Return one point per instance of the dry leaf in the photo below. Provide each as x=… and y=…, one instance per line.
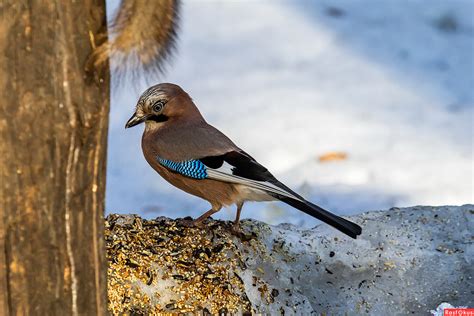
x=332, y=156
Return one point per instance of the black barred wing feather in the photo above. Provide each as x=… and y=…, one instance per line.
x=241, y=164
x=239, y=167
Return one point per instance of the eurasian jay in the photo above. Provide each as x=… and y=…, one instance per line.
x=197, y=158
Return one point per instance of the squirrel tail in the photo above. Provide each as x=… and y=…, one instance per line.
x=142, y=36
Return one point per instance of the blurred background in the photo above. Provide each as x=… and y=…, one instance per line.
x=357, y=105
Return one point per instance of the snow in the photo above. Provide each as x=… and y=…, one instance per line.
x=388, y=84
x=407, y=261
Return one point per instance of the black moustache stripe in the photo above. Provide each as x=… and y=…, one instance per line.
x=158, y=118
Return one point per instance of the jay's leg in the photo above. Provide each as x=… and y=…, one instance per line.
x=237, y=216
x=198, y=221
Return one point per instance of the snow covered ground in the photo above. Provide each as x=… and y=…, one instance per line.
x=406, y=262
x=388, y=84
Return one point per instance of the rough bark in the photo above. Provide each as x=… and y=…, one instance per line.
x=53, y=129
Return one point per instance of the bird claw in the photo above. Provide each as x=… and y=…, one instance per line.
x=239, y=233
x=236, y=227
x=188, y=222
x=197, y=223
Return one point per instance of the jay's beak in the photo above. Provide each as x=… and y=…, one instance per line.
x=135, y=120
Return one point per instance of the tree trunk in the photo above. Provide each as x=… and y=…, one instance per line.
x=53, y=129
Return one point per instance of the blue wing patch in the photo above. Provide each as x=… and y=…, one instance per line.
x=189, y=168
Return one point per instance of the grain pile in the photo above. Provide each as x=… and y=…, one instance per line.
x=194, y=267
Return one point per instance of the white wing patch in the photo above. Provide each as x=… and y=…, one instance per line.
x=225, y=168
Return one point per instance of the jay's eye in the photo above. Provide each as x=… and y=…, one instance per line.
x=158, y=105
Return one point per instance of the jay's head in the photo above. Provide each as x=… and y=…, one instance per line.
x=162, y=103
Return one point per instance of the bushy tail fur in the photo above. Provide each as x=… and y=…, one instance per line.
x=141, y=37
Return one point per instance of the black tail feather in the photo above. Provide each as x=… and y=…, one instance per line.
x=349, y=228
